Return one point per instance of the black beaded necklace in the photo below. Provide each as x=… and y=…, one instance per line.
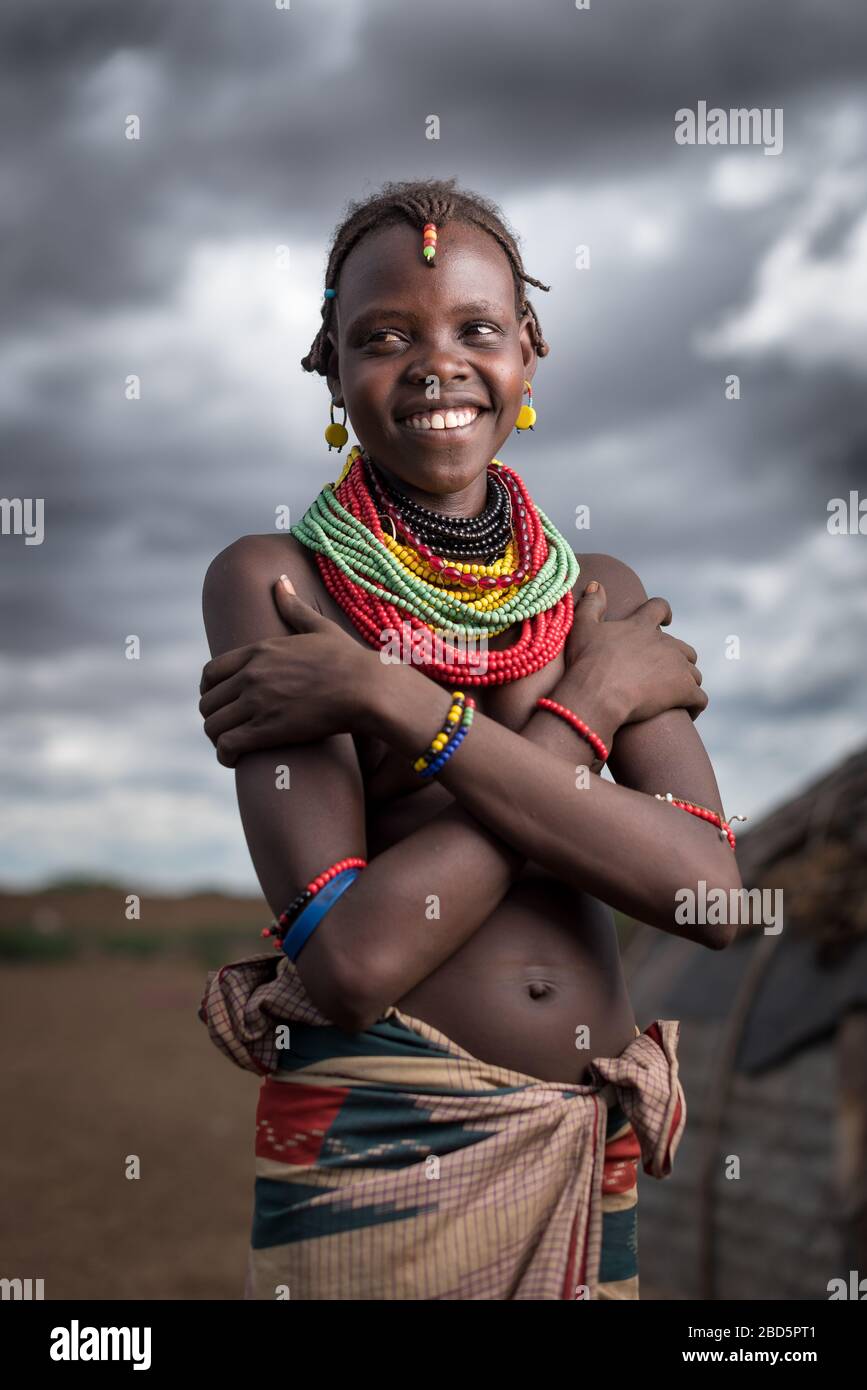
x=460, y=537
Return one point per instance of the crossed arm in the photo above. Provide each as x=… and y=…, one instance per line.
x=515, y=800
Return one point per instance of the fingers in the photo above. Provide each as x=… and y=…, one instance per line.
x=688, y=651
x=683, y=647
x=656, y=611
x=592, y=605
x=224, y=666
x=234, y=743
x=222, y=694
x=228, y=717
x=227, y=750
x=695, y=701
x=699, y=704
x=297, y=614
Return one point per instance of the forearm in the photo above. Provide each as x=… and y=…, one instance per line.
x=549, y=731
x=643, y=755
x=619, y=845
x=414, y=905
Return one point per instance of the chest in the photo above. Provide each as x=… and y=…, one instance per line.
x=388, y=776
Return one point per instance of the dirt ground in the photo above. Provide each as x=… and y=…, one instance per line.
x=103, y=1059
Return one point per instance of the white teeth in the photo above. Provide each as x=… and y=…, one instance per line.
x=437, y=420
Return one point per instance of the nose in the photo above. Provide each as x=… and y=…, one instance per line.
x=437, y=358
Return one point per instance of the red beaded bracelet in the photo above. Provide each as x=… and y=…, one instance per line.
x=281, y=925
x=725, y=830
x=578, y=725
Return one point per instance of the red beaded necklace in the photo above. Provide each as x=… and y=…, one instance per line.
x=381, y=621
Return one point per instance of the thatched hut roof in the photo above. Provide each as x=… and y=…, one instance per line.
x=815, y=848
x=764, y=1066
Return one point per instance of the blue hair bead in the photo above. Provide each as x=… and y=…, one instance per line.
x=330, y=294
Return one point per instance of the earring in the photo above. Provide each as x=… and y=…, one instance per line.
x=526, y=415
x=336, y=434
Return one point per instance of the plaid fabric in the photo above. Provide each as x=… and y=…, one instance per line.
x=393, y=1164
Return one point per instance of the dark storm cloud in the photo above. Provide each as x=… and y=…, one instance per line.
x=257, y=127
x=241, y=125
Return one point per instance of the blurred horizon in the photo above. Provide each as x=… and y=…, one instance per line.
x=85, y=882
x=158, y=258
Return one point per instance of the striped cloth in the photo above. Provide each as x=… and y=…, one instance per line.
x=393, y=1164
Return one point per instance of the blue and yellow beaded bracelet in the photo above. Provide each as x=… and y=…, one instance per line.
x=450, y=737
x=441, y=738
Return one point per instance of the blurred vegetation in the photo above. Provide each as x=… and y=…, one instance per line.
x=208, y=946
x=77, y=918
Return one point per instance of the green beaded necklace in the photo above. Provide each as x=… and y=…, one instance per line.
x=328, y=528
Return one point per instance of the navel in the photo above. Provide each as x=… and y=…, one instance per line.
x=539, y=989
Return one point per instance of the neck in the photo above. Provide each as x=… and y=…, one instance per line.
x=469, y=501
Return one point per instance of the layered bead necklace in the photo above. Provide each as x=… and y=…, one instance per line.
x=417, y=578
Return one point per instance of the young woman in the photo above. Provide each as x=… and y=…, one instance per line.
x=459, y=1096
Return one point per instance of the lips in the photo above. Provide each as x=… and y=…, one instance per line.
x=442, y=419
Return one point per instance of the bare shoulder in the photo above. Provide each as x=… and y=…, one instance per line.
x=256, y=563
x=238, y=604
x=622, y=585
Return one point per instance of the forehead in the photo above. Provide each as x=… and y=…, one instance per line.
x=387, y=269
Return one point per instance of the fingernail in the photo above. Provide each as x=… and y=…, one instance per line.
x=592, y=587
x=287, y=583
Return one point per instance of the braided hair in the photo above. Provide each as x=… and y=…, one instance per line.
x=432, y=200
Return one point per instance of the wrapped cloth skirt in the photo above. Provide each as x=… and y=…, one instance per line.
x=393, y=1164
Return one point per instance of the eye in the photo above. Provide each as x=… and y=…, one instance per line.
x=478, y=328
x=377, y=336
x=478, y=325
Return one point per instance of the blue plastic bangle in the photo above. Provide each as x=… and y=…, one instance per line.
x=306, y=923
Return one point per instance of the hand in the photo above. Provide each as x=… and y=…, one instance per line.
x=629, y=666
x=294, y=689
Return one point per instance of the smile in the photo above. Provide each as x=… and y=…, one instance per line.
x=454, y=420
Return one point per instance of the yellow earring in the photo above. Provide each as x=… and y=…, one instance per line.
x=526, y=415
x=336, y=434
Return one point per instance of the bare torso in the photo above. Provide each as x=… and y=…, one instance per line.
x=545, y=963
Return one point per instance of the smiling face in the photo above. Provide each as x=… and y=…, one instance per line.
x=401, y=322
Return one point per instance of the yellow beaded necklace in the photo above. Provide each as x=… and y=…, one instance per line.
x=412, y=563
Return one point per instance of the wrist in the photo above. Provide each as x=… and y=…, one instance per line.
x=600, y=709
x=399, y=705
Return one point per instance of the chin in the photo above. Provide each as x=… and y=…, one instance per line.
x=438, y=471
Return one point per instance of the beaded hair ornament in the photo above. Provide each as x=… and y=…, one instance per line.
x=428, y=250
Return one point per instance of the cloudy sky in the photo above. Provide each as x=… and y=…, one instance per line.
x=157, y=257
